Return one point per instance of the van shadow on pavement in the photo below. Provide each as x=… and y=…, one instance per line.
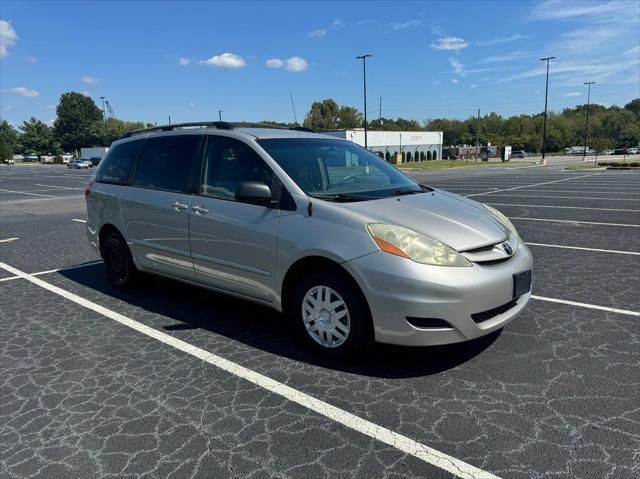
x=191, y=308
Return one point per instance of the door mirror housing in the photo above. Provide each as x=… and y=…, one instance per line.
x=254, y=192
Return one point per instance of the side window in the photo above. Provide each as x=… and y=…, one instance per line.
x=228, y=162
x=166, y=162
x=117, y=164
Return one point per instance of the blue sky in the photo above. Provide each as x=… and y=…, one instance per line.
x=431, y=59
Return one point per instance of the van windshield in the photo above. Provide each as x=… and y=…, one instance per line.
x=337, y=170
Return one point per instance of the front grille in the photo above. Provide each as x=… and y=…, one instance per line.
x=492, y=313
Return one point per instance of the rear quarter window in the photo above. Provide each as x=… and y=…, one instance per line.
x=115, y=167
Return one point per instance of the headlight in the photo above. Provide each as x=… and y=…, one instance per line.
x=419, y=248
x=502, y=219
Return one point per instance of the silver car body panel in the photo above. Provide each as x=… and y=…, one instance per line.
x=246, y=250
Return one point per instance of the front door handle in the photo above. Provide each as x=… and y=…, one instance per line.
x=200, y=210
x=179, y=206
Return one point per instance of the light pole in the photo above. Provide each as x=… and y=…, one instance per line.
x=364, y=73
x=104, y=116
x=543, y=161
x=478, y=136
x=586, y=127
x=220, y=115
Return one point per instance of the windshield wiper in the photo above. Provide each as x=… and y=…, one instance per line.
x=407, y=192
x=343, y=197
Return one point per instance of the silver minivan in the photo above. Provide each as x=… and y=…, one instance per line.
x=346, y=245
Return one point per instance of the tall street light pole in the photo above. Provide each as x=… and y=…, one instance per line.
x=543, y=161
x=220, y=115
x=586, y=127
x=478, y=136
x=364, y=72
x=104, y=116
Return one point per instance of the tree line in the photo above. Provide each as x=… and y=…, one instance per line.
x=80, y=123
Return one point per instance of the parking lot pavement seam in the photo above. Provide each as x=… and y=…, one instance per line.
x=580, y=248
x=536, y=184
x=403, y=443
x=585, y=305
x=573, y=221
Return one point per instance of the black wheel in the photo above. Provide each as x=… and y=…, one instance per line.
x=118, y=262
x=330, y=314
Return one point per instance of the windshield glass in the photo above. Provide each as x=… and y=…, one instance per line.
x=337, y=169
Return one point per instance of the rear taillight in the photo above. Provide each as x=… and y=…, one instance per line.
x=87, y=189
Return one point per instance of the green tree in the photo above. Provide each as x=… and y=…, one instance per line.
x=8, y=140
x=323, y=115
x=349, y=117
x=74, y=126
x=37, y=137
x=115, y=128
x=634, y=106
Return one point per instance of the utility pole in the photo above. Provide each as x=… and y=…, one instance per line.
x=104, y=116
x=543, y=161
x=220, y=115
x=364, y=77
x=169, y=119
x=586, y=128
x=478, y=136
x=380, y=111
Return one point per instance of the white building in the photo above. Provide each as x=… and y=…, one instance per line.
x=413, y=145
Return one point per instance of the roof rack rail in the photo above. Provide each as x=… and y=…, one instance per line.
x=220, y=125
x=303, y=128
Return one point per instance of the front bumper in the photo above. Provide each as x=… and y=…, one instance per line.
x=397, y=288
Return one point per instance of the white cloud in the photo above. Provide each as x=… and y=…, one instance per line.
x=436, y=82
x=50, y=122
x=474, y=86
x=192, y=104
x=405, y=25
x=574, y=93
x=507, y=57
x=497, y=41
x=338, y=23
x=293, y=64
x=317, y=33
x=449, y=43
x=51, y=107
x=183, y=61
x=32, y=59
x=458, y=67
x=226, y=60
x=85, y=93
x=565, y=10
x=89, y=80
x=454, y=80
x=8, y=37
x=21, y=90
x=8, y=108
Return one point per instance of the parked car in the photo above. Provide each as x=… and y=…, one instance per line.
x=31, y=157
x=78, y=164
x=621, y=151
x=518, y=154
x=95, y=161
x=632, y=151
x=347, y=246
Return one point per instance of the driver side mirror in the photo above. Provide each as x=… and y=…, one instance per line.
x=254, y=192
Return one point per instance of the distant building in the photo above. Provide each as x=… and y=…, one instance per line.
x=412, y=145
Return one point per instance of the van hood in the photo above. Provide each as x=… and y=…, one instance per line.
x=458, y=222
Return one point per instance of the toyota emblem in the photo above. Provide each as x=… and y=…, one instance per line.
x=507, y=248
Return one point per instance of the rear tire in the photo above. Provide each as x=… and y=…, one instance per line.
x=330, y=314
x=118, y=262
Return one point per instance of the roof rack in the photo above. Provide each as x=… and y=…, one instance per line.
x=220, y=125
x=303, y=128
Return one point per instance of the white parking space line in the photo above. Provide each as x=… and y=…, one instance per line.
x=538, y=184
x=8, y=240
x=585, y=305
x=573, y=222
x=25, y=193
x=60, y=187
x=78, y=220
x=570, y=197
x=49, y=271
x=566, y=207
x=403, y=443
x=580, y=248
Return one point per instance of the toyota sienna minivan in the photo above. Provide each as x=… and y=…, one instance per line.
x=346, y=245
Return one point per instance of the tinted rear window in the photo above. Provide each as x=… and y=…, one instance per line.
x=165, y=163
x=117, y=164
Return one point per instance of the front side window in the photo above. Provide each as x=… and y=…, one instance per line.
x=117, y=164
x=166, y=162
x=229, y=162
x=330, y=168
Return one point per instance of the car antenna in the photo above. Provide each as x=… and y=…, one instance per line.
x=293, y=107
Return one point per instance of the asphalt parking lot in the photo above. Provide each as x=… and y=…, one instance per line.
x=168, y=380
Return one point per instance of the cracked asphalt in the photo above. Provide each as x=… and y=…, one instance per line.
x=555, y=394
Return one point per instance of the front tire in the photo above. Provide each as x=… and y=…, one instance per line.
x=119, y=266
x=331, y=315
